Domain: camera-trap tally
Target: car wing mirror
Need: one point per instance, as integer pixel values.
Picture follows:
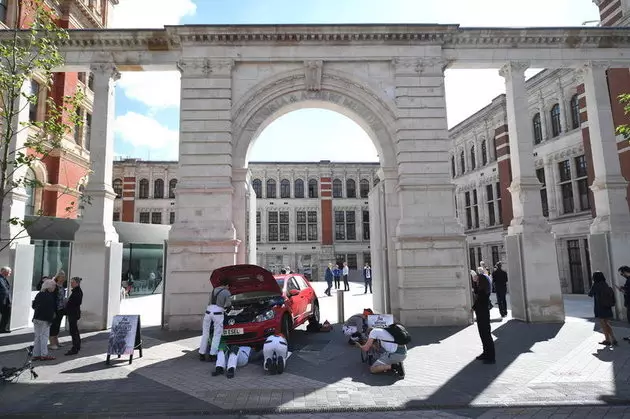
(293, 293)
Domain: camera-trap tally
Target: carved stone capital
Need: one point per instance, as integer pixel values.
(512, 68)
(204, 67)
(107, 69)
(592, 66)
(313, 75)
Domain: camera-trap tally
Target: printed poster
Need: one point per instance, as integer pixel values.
(122, 337)
(380, 321)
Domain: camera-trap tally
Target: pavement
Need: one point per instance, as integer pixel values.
(541, 371)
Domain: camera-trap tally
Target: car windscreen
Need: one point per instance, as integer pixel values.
(280, 283)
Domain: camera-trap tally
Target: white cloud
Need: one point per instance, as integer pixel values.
(142, 131)
(151, 13)
(155, 89)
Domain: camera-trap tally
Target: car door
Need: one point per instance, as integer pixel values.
(297, 301)
(308, 296)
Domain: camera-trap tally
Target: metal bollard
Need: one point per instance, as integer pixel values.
(341, 318)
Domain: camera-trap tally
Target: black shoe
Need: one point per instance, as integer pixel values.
(274, 367)
(489, 361)
(212, 358)
(280, 365)
(230, 373)
(627, 338)
(71, 352)
(202, 358)
(400, 369)
(268, 364)
(217, 371)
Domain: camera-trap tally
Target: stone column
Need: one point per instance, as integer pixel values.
(543, 117)
(482, 198)
(550, 181)
(96, 252)
(240, 206)
(433, 286)
(533, 266)
(204, 236)
(610, 230)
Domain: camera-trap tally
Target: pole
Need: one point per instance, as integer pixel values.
(341, 318)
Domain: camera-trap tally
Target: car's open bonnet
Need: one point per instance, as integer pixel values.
(245, 278)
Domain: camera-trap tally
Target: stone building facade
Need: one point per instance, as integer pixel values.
(308, 214)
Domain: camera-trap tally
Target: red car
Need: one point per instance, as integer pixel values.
(264, 304)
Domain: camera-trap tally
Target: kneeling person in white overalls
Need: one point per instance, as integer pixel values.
(275, 351)
(236, 356)
(219, 301)
(392, 355)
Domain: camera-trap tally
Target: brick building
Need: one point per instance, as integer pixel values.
(63, 172)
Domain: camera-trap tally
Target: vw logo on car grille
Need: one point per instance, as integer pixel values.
(231, 322)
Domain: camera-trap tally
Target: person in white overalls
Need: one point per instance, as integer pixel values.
(219, 301)
(275, 351)
(236, 356)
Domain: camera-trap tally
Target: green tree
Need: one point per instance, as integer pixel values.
(31, 53)
(625, 128)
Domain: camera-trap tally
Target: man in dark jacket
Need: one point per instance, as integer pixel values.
(328, 276)
(482, 312)
(500, 279)
(73, 313)
(624, 271)
(5, 300)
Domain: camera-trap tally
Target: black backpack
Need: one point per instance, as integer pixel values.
(607, 297)
(399, 333)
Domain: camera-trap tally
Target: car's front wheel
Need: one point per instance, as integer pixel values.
(286, 327)
(315, 316)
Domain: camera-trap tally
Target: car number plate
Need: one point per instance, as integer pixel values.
(233, 332)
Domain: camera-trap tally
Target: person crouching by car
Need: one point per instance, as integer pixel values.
(219, 301)
(230, 357)
(275, 351)
(392, 356)
(356, 326)
(45, 306)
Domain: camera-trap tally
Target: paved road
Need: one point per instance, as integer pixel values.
(537, 365)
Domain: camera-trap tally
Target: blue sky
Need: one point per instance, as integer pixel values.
(147, 118)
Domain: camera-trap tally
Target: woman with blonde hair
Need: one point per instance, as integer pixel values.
(45, 307)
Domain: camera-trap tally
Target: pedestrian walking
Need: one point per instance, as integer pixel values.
(482, 290)
(219, 301)
(45, 307)
(337, 276)
(60, 300)
(328, 276)
(5, 300)
(624, 271)
(73, 313)
(603, 302)
(367, 277)
(345, 272)
(500, 279)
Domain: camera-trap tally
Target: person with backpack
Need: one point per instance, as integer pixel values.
(603, 302)
(219, 301)
(393, 341)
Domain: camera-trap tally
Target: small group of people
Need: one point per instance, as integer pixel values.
(335, 273)
(604, 301)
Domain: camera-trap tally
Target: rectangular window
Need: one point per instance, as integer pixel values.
(540, 174)
(351, 230)
(366, 224)
(468, 211)
(500, 210)
(258, 226)
(116, 216)
(171, 218)
(78, 129)
(156, 218)
(492, 219)
(352, 261)
(88, 130)
(495, 255)
(33, 108)
(566, 187)
(367, 258)
(284, 226)
(300, 226)
(475, 209)
(272, 226)
(312, 225)
(471, 258)
(582, 183)
(479, 256)
(145, 217)
(306, 225)
(340, 225)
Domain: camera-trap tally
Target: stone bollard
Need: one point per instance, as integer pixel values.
(340, 312)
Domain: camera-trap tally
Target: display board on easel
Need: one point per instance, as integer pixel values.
(380, 321)
(125, 337)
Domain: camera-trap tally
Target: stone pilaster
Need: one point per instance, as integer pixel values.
(610, 230)
(96, 252)
(432, 284)
(550, 181)
(240, 204)
(533, 268)
(204, 236)
(543, 116)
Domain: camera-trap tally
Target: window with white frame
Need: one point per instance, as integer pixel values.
(312, 188)
(337, 188)
(468, 208)
(473, 161)
(306, 225)
(298, 188)
(285, 188)
(145, 217)
(258, 227)
(484, 153)
(351, 188)
(143, 189)
(257, 186)
(364, 188)
(575, 111)
(271, 188)
(345, 225)
(156, 218)
(462, 163)
(540, 174)
(453, 170)
(581, 180)
(492, 219)
(499, 209)
(278, 226)
(365, 214)
(117, 185)
(537, 126)
(556, 125)
(475, 209)
(171, 217)
(566, 187)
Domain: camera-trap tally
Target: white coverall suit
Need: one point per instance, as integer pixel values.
(275, 351)
(214, 316)
(239, 359)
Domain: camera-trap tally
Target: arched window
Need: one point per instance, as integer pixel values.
(271, 188)
(172, 185)
(117, 185)
(462, 163)
(143, 189)
(158, 189)
(312, 188)
(257, 185)
(30, 184)
(364, 188)
(298, 188)
(537, 129)
(484, 153)
(473, 162)
(351, 188)
(575, 112)
(337, 188)
(556, 126)
(285, 188)
(453, 170)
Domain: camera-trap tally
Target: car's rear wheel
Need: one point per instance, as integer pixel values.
(315, 315)
(286, 327)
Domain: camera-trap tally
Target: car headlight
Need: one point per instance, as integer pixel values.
(268, 315)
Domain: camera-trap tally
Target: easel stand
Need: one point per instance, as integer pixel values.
(137, 346)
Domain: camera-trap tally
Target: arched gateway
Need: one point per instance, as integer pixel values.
(390, 79)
